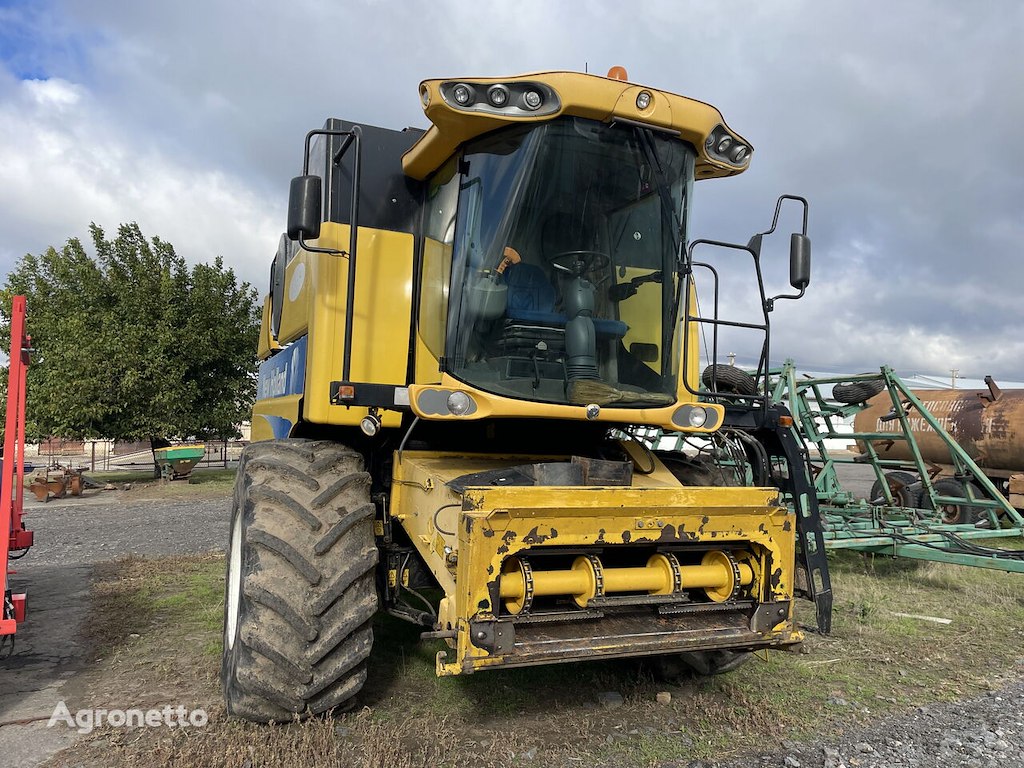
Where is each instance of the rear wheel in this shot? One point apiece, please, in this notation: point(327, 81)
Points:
point(955, 514)
point(900, 487)
point(300, 592)
point(703, 663)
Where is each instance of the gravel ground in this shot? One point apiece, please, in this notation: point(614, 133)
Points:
point(114, 523)
point(984, 732)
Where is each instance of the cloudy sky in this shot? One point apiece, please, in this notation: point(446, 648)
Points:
point(900, 121)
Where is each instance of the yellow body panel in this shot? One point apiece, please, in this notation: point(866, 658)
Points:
point(315, 298)
point(304, 269)
point(642, 313)
point(581, 95)
point(466, 539)
point(271, 408)
point(428, 369)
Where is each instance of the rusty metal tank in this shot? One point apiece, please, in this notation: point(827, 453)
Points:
point(987, 423)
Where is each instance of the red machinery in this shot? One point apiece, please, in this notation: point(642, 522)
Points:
point(18, 539)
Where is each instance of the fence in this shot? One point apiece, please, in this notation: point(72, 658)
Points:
point(100, 455)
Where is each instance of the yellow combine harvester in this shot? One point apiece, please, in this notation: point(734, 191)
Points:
point(467, 328)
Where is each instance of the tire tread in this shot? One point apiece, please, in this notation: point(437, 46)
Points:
point(308, 591)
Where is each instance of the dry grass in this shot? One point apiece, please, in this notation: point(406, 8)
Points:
point(873, 663)
point(360, 740)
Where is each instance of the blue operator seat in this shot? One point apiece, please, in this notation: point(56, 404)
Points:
point(531, 299)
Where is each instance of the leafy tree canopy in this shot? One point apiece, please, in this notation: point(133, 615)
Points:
point(131, 343)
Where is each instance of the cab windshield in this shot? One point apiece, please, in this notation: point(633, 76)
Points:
point(564, 281)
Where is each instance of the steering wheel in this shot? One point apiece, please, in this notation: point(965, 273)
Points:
point(583, 261)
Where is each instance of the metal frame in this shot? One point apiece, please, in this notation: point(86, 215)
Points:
point(889, 528)
point(691, 314)
point(18, 539)
point(351, 139)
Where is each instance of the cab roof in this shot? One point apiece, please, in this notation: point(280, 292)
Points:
point(462, 109)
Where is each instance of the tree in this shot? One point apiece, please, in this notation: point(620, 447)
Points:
point(132, 344)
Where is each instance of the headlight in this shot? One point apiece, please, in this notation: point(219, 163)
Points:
point(370, 424)
point(463, 94)
point(459, 403)
point(692, 416)
point(643, 100)
point(697, 417)
point(513, 99)
point(497, 95)
point(532, 99)
point(721, 145)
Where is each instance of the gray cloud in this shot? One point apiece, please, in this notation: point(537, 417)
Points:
point(899, 122)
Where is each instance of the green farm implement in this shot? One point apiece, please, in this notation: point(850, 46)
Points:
point(910, 511)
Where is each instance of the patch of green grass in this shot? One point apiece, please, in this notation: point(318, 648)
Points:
point(213, 648)
point(220, 477)
point(203, 483)
point(123, 476)
point(181, 595)
point(200, 476)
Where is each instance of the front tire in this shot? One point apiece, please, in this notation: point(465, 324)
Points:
point(300, 592)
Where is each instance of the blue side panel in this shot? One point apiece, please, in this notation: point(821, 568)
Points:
point(284, 373)
point(280, 426)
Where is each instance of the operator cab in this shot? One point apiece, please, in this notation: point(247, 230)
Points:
point(563, 241)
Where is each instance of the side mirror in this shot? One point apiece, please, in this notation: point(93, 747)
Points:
point(799, 254)
point(799, 261)
point(304, 212)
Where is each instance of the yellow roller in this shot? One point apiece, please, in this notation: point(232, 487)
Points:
point(719, 575)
